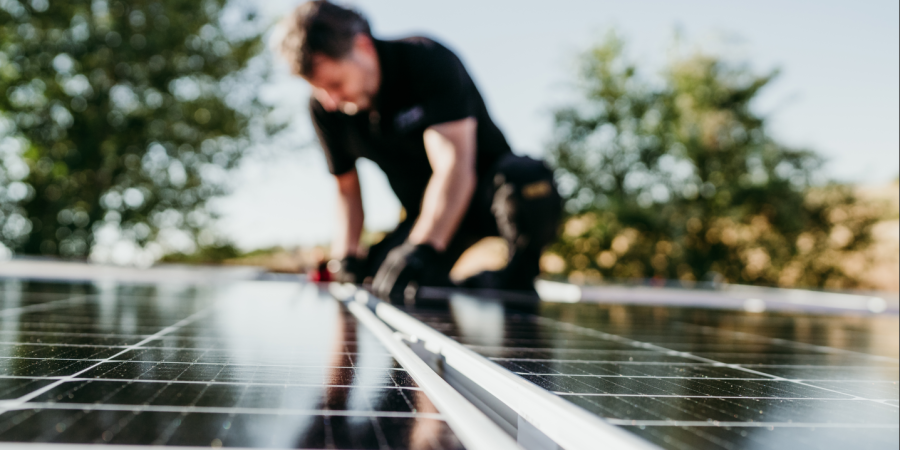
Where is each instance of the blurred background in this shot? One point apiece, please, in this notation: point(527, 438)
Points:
point(697, 142)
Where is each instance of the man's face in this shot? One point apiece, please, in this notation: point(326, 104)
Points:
point(348, 84)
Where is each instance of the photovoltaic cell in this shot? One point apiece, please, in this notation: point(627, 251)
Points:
point(687, 378)
point(249, 365)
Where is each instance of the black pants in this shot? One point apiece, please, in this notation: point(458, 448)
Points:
point(517, 200)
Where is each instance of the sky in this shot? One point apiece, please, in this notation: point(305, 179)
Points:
point(838, 92)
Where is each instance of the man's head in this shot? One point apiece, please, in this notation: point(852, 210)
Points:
point(332, 48)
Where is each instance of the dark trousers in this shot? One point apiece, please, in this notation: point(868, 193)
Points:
point(517, 199)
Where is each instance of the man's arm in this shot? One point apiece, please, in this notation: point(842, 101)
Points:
point(451, 151)
point(350, 216)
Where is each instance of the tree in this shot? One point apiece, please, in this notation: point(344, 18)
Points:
point(119, 116)
point(679, 179)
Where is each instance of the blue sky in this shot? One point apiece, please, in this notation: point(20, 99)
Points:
point(838, 92)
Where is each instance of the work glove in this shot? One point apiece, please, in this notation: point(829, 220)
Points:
point(347, 270)
point(406, 264)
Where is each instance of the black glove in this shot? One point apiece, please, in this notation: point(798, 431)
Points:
point(403, 265)
point(347, 270)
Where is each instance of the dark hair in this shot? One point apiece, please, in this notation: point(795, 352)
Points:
point(318, 27)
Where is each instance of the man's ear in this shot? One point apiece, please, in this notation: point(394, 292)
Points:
point(363, 43)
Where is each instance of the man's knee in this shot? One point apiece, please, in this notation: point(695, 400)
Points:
point(521, 170)
point(526, 204)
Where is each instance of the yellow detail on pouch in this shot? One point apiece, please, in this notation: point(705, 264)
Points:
point(536, 190)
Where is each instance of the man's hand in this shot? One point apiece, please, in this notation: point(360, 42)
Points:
point(403, 265)
point(347, 270)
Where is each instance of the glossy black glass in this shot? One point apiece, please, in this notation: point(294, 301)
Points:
point(255, 364)
point(689, 378)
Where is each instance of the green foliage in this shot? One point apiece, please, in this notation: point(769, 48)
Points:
point(679, 179)
point(214, 254)
point(118, 116)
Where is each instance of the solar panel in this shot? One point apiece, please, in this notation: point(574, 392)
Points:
point(276, 364)
point(688, 378)
point(258, 364)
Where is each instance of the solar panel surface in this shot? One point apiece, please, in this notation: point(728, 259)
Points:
point(256, 364)
point(686, 378)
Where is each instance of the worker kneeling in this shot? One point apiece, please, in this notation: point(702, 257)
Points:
point(410, 106)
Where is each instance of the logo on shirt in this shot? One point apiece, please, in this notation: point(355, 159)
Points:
point(407, 120)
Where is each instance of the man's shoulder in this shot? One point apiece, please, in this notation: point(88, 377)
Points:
point(323, 119)
point(316, 110)
point(421, 46)
point(423, 41)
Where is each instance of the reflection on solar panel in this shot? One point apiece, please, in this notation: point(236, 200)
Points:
point(686, 378)
point(284, 365)
point(250, 365)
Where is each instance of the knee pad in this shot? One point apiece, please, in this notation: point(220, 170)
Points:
point(526, 203)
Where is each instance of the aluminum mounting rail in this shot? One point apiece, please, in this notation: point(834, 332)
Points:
point(473, 428)
point(569, 426)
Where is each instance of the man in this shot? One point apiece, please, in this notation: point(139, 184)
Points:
point(410, 106)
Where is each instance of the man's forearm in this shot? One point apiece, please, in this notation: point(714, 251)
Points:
point(350, 217)
point(447, 198)
point(451, 152)
point(347, 233)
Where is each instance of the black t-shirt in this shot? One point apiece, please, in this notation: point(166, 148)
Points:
point(422, 84)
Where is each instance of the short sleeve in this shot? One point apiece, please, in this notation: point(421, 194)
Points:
point(331, 131)
point(448, 90)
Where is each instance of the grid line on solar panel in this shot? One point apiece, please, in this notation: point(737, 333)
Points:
point(646, 350)
point(45, 306)
point(24, 377)
point(349, 364)
point(61, 344)
point(657, 377)
point(404, 383)
point(716, 423)
point(223, 410)
point(786, 342)
point(260, 358)
point(233, 430)
point(114, 353)
point(590, 394)
point(29, 358)
point(15, 388)
point(770, 437)
point(498, 359)
point(881, 386)
point(864, 389)
point(44, 367)
point(709, 409)
point(90, 341)
point(706, 388)
point(684, 364)
point(378, 398)
point(209, 373)
point(141, 330)
point(396, 384)
point(694, 347)
point(72, 334)
point(646, 345)
point(295, 366)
